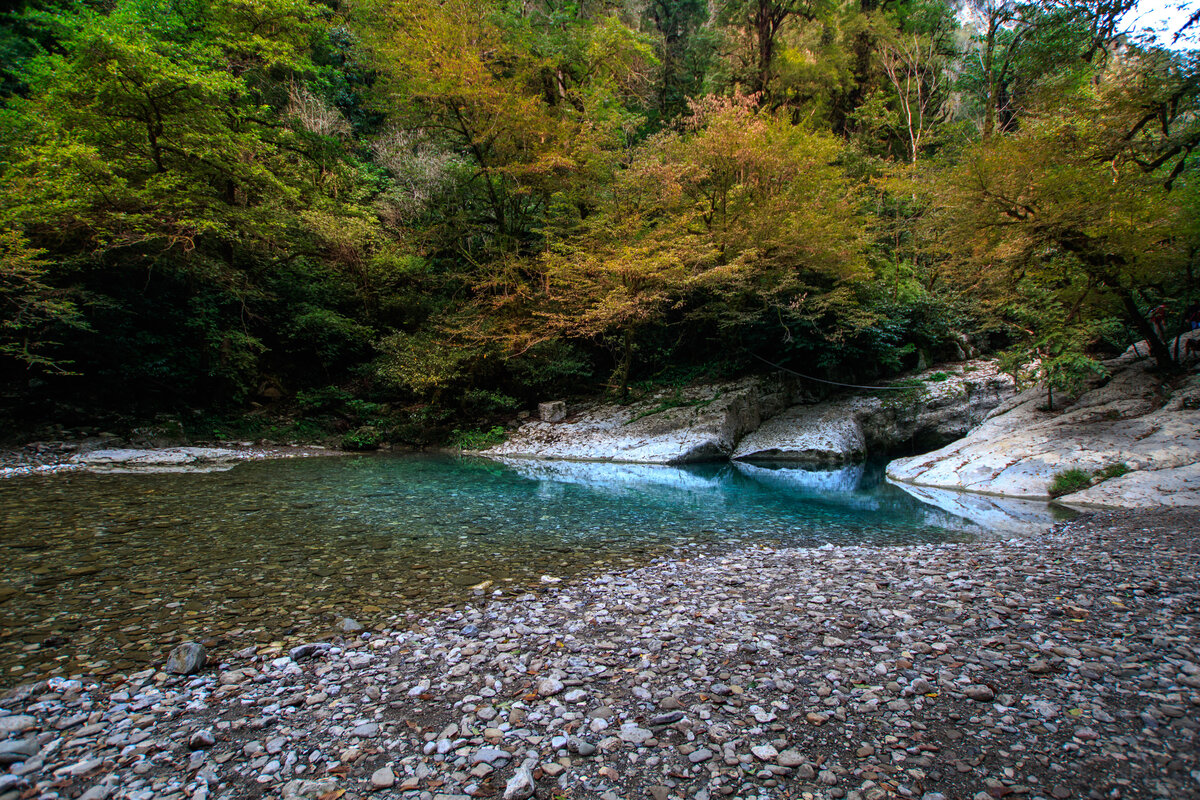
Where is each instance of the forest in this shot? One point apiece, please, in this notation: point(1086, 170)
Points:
point(391, 219)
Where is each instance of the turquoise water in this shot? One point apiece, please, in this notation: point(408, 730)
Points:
point(102, 573)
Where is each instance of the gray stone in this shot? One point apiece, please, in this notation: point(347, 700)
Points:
point(383, 778)
point(16, 723)
point(489, 755)
point(520, 786)
point(764, 752)
point(201, 739)
point(980, 693)
point(553, 411)
point(633, 734)
point(186, 659)
point(100, 791)
point(666, 719)
point(581, 746)
point(309, 650)
point(308, 790)
point(349, 625)
point(14, 750)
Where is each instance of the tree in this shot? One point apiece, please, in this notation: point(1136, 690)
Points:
point(742, 220)
point(913, 64)
point(1079, 199)
point(533, 102)
point(32, 309)
point(683, 52)
point(1015, 45)
point(170, 161)
point(762, 21)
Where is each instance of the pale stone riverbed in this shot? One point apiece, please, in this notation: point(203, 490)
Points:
point(1065, 665)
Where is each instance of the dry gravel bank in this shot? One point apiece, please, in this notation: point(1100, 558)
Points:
point(1063, 666)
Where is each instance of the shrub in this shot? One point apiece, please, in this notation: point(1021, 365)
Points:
point(323, 399)
point(477, 440)
point(1068, 481)
point(1113, 471)
point(489, 401)
point(364, 438)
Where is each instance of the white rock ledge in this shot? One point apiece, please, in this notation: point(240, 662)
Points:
point(755, 419)
point(1136, 418)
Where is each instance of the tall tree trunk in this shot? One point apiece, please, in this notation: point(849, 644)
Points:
point(989, 76)
point(619, 382)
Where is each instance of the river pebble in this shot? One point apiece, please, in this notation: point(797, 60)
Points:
point(1061, 666)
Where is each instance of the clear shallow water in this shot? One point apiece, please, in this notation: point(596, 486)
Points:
point(107, 572)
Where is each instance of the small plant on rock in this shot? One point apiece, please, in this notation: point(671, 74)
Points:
point(1069, 481)
point(1113, 471)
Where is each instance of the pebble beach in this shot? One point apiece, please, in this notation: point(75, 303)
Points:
point(1064, 665)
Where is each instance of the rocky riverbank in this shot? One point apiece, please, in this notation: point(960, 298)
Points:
point(767, 418)
point(1062, 666)
point(1134, 424)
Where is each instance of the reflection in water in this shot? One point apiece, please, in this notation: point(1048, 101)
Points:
point(107, 572)
point(808, 481)
point(996, 514)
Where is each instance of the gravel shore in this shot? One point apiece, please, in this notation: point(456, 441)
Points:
point(1063, 666)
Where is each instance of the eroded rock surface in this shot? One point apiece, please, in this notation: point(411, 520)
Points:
point(950, 402)
point(168, 459)
point(756, 419)
point(1138, 418)
point(109, 455)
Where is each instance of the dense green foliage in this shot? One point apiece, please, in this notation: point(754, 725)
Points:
point(396, 216)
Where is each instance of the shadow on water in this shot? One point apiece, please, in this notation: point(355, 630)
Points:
point(104, 573)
